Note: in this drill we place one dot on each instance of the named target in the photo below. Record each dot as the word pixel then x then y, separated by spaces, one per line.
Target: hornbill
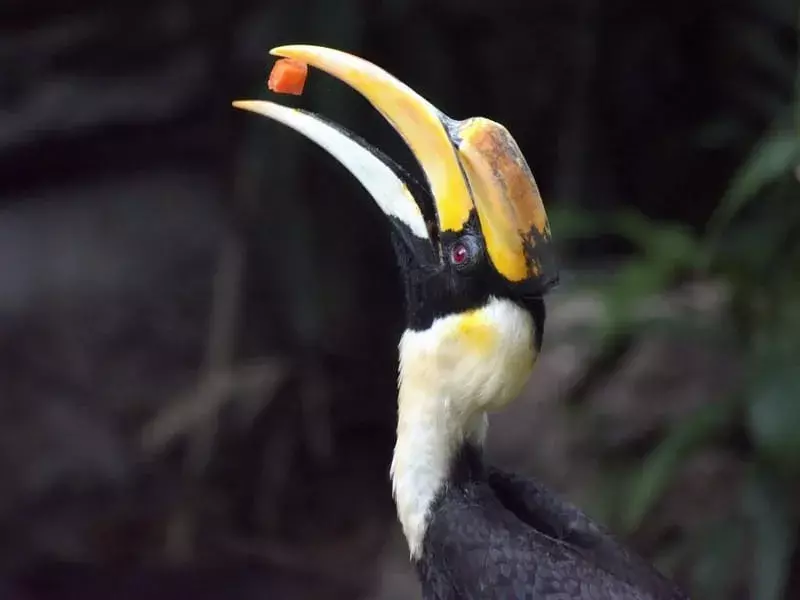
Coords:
pixel 474 285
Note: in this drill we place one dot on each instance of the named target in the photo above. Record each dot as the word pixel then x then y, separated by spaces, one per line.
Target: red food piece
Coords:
pixel 288 76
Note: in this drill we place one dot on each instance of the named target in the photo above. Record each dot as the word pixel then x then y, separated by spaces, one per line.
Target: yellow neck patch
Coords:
pixel 476 332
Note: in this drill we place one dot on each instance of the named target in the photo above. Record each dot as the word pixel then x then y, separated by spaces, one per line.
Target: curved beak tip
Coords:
pixel 288 49
pixel 261 107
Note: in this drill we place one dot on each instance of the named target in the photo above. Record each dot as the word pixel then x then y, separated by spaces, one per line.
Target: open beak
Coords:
pixel 375 173
pixel 472 167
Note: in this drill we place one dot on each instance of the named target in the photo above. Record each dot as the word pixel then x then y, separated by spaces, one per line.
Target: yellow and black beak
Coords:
pixel 472 167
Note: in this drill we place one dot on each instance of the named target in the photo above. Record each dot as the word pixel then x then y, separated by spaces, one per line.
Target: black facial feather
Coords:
pixel 535 306
pixel 442 288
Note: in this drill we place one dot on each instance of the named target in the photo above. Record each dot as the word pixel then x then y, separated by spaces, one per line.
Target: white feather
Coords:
pixel 385 187
pixel 451 374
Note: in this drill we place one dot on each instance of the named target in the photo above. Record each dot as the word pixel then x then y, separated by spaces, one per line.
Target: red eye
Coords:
pixel 459 254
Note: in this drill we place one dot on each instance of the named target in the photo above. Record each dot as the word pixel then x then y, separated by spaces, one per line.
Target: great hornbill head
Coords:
pixel 491 237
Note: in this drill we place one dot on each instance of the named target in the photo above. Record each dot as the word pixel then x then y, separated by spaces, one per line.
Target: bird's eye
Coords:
pixel 459 254
pixel 465 252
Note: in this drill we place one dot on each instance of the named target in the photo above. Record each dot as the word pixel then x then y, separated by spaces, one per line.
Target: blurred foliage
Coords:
pixel 751 244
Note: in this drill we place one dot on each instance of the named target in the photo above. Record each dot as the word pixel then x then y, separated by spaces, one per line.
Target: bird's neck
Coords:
pixel 430 435
pixel 451 374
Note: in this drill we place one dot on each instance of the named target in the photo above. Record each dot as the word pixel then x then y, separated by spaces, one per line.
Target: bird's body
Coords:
pixel 496 535
pixel 474 285
pixel 473 530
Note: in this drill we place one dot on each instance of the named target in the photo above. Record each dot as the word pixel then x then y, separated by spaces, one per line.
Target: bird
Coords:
pixel 474 279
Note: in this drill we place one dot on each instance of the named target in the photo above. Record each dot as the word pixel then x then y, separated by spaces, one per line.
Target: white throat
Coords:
pixel 451 374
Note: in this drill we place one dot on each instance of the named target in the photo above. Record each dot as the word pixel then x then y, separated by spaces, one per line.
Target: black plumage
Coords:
pixel 497 535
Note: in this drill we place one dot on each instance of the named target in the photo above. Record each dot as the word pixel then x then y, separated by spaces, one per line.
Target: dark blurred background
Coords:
pixel 199 309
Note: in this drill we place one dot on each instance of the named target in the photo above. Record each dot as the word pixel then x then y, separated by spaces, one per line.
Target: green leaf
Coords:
pixel 777 154
pixel 766 503
pixel 774 415
pixel 658 470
